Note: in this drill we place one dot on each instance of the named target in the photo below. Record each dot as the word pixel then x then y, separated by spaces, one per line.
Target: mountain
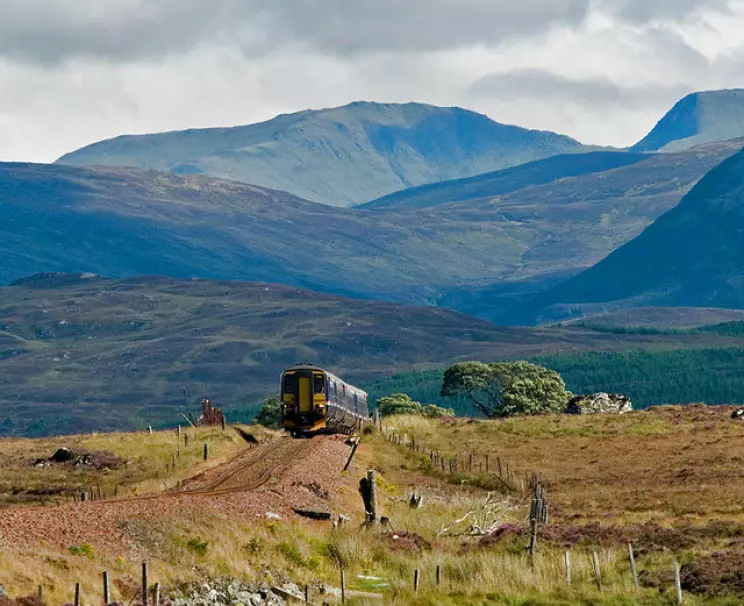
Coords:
pixel 508 180
pixel 123 222
pixel 81 352
pixel 563 225
pixel 698 118
pixel 691 256
pixel 341 156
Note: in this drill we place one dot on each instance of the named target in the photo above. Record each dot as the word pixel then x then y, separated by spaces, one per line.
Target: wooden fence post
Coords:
pixel 597 575
pixel 533 540
pixel 206 451
pixel 343 585
pixel 486 463
pixel 40 594
pixel 677 583
pixel 439 574
pixel 633 565
pixel 372 479
pixel 352 453
pixel 307 594
pixel 567 560
pixel 106 595
pixel 498 460
pixel 416 580
pixel 144 584
pixel 77 594
pixel 157 594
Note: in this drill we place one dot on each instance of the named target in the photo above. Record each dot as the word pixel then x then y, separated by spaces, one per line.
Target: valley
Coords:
pixel 427 304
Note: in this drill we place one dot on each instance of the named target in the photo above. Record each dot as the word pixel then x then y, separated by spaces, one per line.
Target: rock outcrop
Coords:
pixel 599 403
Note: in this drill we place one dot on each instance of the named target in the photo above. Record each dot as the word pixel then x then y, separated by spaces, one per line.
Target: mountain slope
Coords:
pixel 507 180
pixel 123 222
pixel 81 353
pixel 85 352
pixel 691 256
pixel 565 224
pixel 340 156
pixel 698 118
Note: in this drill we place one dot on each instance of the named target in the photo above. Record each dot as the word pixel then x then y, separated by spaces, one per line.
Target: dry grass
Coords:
pixel 154 462
pixel 664 464
pixel 186 548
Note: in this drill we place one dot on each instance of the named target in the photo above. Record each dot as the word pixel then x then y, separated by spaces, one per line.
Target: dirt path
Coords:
pixel 275 477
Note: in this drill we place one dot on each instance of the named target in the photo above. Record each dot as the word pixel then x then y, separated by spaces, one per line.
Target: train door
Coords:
pixel 305 393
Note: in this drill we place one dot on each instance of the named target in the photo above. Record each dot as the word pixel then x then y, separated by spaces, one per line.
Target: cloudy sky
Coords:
pixel 604 71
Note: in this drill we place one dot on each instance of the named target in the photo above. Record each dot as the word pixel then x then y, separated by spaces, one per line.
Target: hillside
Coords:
pixel 661 318
pixel 698 118
pixel 507 180
pixel 340 156
pixel 571 221
pixel 124 222
pixel 691 256
pixel 83 352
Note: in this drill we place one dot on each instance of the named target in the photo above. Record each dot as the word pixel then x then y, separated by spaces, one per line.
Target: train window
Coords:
pixel 319 384
pixel 290 385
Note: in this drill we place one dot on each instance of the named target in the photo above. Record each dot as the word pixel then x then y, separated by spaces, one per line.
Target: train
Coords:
pixel 314 400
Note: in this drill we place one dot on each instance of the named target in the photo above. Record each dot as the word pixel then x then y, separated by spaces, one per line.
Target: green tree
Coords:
pixel 398 404
pixel 430 411
pixel 505 389
pixel 401 404
pixel 270 414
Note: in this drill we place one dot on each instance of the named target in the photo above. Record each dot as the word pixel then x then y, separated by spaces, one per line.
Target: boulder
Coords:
pixel 599 403
pixel 63 455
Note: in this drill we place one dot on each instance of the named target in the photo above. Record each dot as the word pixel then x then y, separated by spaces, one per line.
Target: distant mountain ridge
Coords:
pixel 691 256
pixel 124 221
pixel 340 156
pixel 702 117
pixel 505 181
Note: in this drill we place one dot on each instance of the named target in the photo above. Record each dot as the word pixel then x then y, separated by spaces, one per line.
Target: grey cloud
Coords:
pixel 642 11
pixel 596 92
pixel 343 26
pixel 50 31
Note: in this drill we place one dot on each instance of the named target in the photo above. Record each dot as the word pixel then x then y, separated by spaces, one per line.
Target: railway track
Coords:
pixel 250 474
pixel 247 471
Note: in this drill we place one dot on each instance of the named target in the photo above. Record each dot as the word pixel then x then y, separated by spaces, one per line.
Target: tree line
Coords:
pixel 712 376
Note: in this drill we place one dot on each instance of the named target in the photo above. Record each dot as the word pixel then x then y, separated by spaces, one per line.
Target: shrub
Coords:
pixel 84 550
pixel 198 546
pixel 401 404
pixel 270 414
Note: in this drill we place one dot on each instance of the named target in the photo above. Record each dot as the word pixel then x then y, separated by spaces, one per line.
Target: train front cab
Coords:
pixel 304 400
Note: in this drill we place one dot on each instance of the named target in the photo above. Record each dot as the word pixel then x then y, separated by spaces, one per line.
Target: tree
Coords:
pixel 270 414
pixel 397 404
pixel 401 404
pixel 505 389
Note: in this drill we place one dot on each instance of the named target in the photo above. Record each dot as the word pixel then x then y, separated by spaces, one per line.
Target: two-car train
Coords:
pixel 314 400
